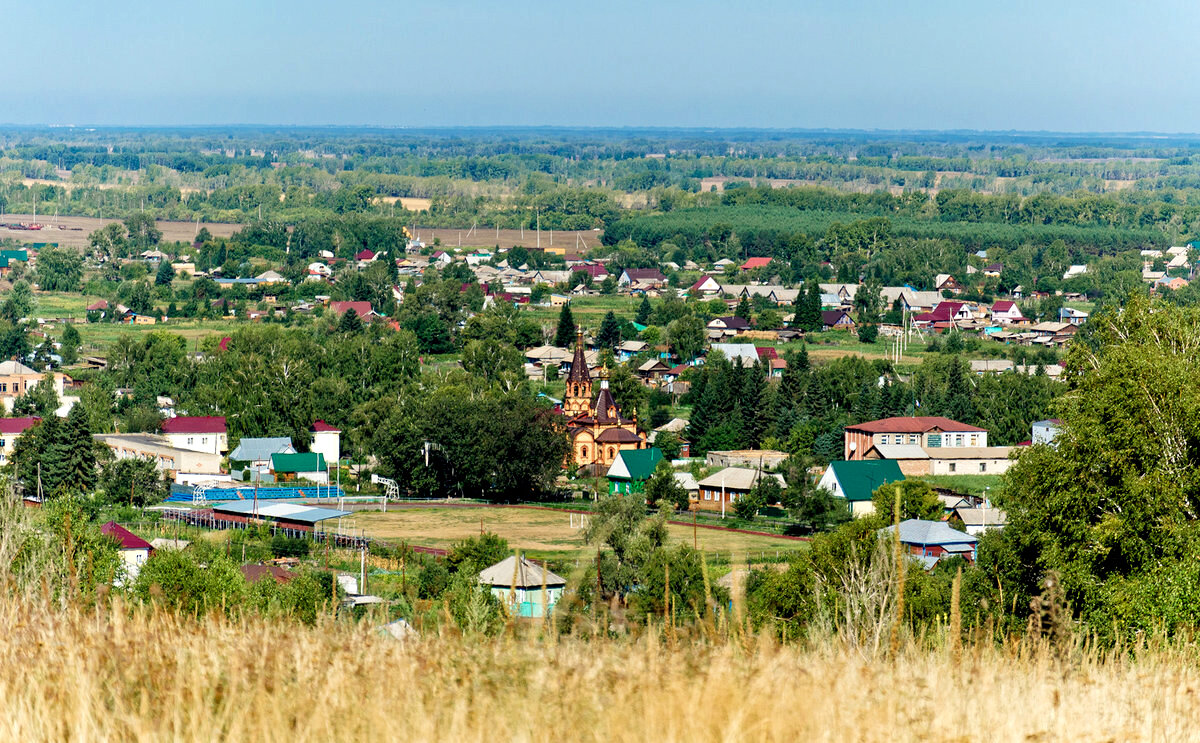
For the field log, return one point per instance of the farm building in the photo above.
(525, 588)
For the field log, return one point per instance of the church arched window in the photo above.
(612, 453)
(583, 451)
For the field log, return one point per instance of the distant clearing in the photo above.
(411, 203)
(543, 531)
(489, 237)
(74, 231)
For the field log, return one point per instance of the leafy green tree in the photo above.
(59, 269)
(193, 582)
(564, 337)
(135, 481)
(1111, 508)
(608, 286)
(686, 336)
(493, 361)
(622, 525)
(42, 400)
(474, 554)
(143, 231)
(20, 302)
(609, 335)
(868, 333)
(917, 501)
(69, 345)
(662, 487)
(670, 445)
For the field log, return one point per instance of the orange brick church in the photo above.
(597, 430)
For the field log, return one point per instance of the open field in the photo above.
(541, 532)
(116, 674)
(74, 231)
(490, 237)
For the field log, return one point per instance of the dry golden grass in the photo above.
(536, 530)
(113, 674)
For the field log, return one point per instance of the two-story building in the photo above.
(16, 379)
(927, 432)
(206, 434)
(10, 430)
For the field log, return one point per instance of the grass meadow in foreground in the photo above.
(120, 674)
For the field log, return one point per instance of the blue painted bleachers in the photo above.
(183, 493)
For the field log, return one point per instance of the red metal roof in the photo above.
(767, 352)
(127, 539)
(321, 426)
(17, 425)
(919, 424)
(97, 306)
(364, 255)
(195, 424)
(362, 309)
(255, 573)
(1003, 305)
(755, 263)
(595, 271)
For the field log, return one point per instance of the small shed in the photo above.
(525, 588)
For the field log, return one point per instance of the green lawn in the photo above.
(972, 484)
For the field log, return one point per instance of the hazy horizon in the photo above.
(1099, 67)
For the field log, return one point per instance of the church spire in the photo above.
(579, 382)
(579, 368)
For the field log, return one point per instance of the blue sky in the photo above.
(1064, 66)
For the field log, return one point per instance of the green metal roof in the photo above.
(860, 479)
(639, 464)
(293, 463)
(14, 255)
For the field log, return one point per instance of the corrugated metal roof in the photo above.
(525, 574)
(287, 511)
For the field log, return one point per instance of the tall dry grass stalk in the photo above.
(121, 673)
(111, 671)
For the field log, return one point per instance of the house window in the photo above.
(934, 440)
(612, 452)
(958, 440)
(707, 495)
(883, 439)
(4, 387)
(583, 452)
(2, 443)
(974, 440)
(190, 440)
(983, 466)
(953, 466)
(912, 438)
